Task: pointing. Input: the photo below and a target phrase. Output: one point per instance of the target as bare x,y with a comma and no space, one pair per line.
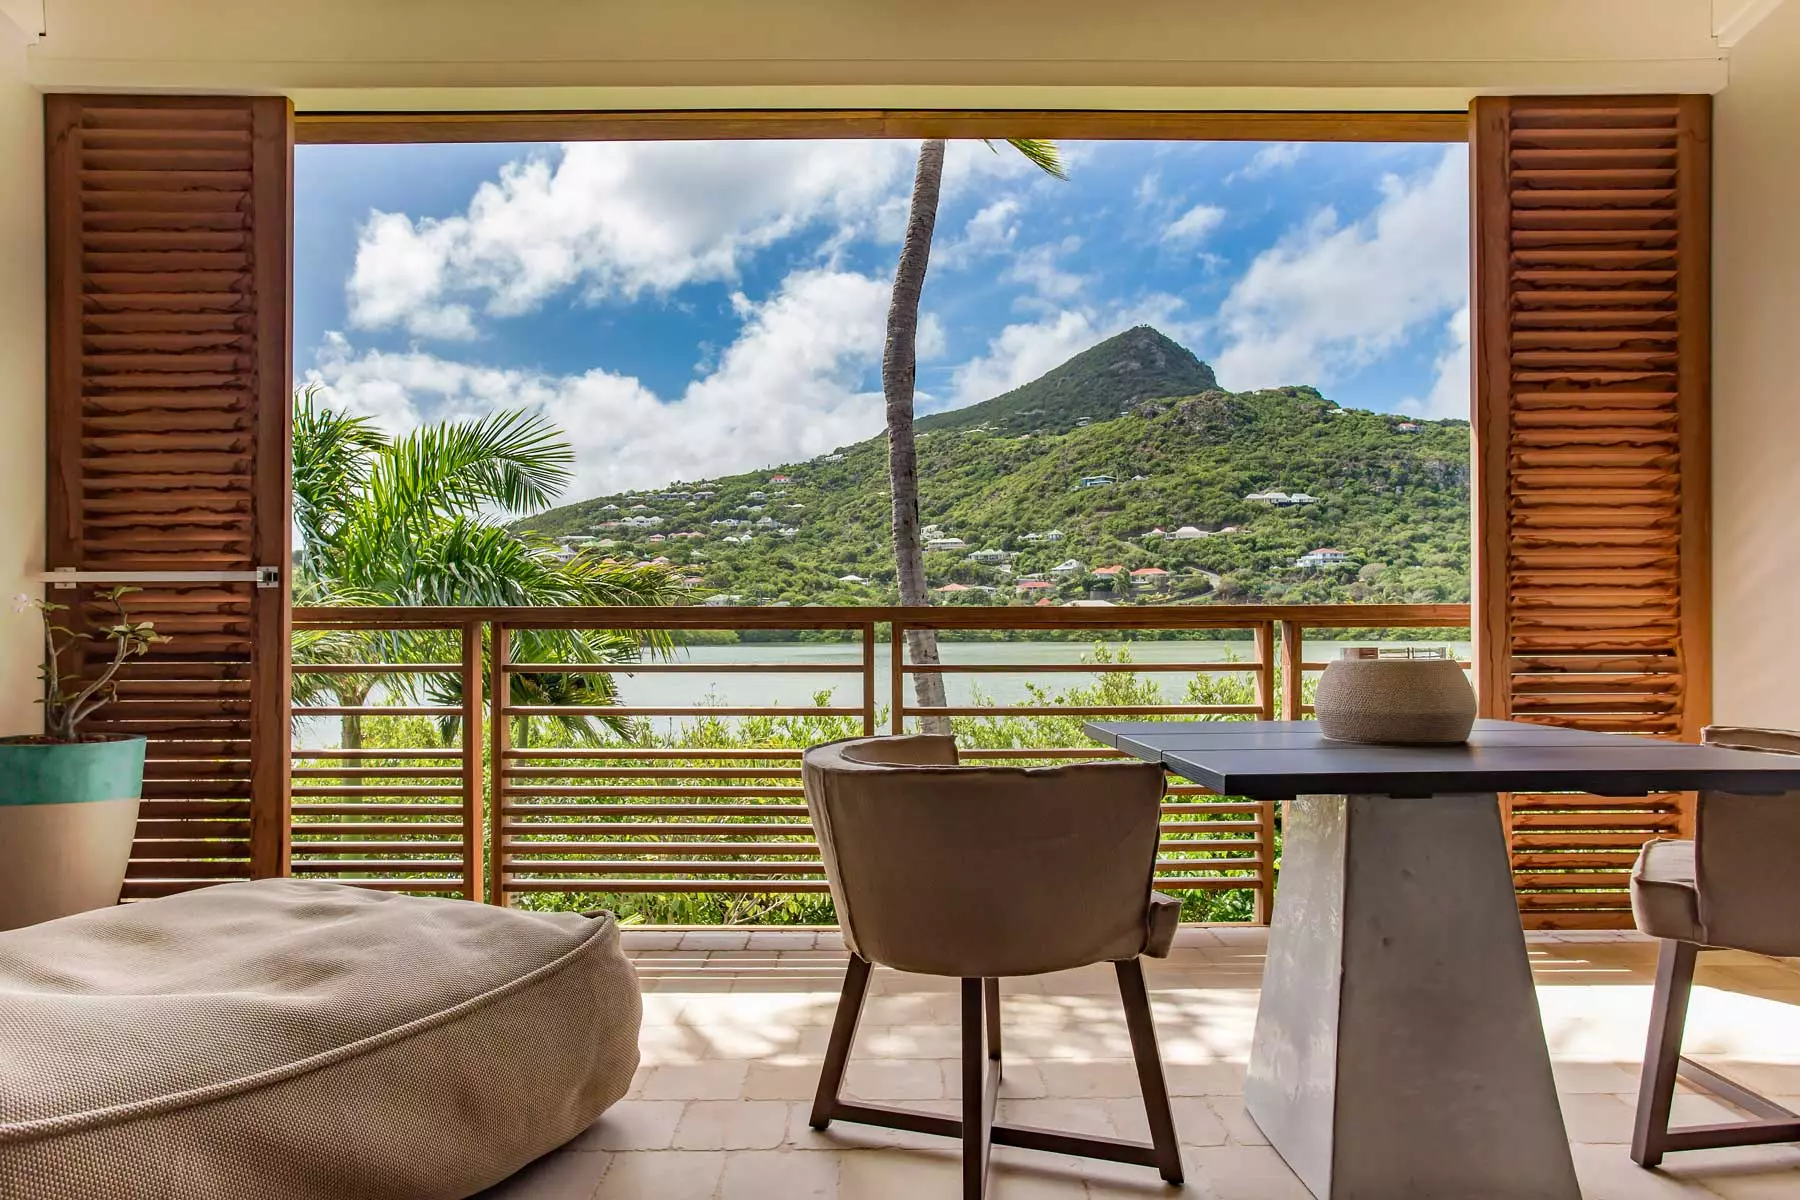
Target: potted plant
69,800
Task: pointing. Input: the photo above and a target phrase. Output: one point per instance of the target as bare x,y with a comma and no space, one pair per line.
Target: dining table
1398,1050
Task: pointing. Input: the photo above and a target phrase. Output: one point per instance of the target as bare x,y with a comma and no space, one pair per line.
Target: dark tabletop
1275,760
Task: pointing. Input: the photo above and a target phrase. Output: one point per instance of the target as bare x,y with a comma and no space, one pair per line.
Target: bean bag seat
294,1040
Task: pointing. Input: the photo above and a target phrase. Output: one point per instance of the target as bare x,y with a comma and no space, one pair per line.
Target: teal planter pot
68,812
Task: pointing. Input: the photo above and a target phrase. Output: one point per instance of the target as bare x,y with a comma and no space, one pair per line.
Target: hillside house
1053,535
1149,576
990,558
1113,572
1406,427
946,543
953,589
779,479
1325,556
1034,587
1154,534
851,579
1069,566
1188,533
1094,481
1302,498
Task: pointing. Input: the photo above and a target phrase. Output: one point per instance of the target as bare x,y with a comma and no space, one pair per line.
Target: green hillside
1003,474
1096,385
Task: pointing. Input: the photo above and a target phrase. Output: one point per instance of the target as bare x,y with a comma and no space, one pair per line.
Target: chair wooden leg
979,1088
1149,1068
1662,1053
1651,1137
843,1034
991,992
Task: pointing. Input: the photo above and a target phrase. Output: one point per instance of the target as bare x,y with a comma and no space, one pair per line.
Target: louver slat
169,264
1591,259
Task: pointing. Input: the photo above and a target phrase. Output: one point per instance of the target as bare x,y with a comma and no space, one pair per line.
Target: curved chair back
983,871
1747,856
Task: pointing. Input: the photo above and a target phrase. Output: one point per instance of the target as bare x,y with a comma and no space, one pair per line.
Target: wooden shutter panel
1590,282
169,259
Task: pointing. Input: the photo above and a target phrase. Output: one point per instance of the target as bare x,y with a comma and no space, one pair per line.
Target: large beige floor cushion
283,1039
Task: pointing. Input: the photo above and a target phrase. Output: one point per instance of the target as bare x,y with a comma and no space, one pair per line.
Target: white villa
1325,556
1069,566
1189,532
989,558
1094,481
946,543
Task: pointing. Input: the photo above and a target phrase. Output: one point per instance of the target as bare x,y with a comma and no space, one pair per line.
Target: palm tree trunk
899,372
352,694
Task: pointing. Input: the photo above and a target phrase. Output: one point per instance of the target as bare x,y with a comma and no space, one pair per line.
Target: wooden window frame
389,128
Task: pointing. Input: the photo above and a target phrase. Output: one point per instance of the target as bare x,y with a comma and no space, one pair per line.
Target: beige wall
1756,379
21,376
354,54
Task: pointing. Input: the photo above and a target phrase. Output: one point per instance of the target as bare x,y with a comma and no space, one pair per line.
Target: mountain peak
1098,384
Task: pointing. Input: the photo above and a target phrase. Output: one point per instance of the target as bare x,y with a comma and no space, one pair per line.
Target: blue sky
692,309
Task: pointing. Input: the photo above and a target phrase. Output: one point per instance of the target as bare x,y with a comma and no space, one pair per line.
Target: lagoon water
723,686
658,689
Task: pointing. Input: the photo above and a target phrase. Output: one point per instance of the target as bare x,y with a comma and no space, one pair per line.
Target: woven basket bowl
1395,702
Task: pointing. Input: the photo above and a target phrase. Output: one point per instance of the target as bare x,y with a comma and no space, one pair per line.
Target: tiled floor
735,1026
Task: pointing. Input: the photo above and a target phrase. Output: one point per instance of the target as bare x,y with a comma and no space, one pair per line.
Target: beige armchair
983,872
1733,887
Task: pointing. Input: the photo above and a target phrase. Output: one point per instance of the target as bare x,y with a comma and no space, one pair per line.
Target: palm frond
1039,152
516,461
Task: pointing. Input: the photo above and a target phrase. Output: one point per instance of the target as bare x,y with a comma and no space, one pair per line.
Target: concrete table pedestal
1398,1050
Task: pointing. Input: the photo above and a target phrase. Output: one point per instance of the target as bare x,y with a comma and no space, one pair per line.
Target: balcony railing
440,750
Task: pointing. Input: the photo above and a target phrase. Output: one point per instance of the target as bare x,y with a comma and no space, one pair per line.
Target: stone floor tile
1205,1079
909,1041
897,1174
1105,1079
1598,1117
782,939
1241,1173
1240,1127
662,1175
632,1125
1742,1173
559,1175
869,1079
771,1081
715,939
732,1125
1595,1077
1606,1172
696,1081
779,1175
1088,1117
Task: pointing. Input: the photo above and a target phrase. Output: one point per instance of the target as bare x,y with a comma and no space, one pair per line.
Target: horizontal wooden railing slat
492,816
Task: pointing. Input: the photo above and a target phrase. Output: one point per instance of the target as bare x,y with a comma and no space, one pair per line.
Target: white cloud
1270,158
1194,225
1330,297
992,230
1449,394
1037,268
788,388
614,218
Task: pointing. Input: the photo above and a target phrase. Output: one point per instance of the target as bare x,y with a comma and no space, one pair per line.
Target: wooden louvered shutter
168,272
1591,375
